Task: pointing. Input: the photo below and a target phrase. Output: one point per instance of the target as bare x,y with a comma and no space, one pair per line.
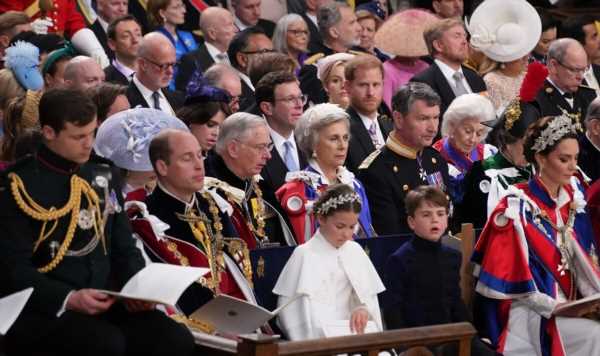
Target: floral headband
334,202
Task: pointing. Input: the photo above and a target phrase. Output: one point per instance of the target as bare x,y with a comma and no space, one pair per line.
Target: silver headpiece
334,202
557,129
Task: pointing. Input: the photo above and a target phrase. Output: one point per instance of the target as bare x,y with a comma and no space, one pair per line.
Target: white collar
279,140
587,136
146,93
213,51
560,91
123,69
245,78
103,23
447,71
188,205
239,24
313,18
343,174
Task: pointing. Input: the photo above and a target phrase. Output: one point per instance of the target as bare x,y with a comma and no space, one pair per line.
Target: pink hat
402,34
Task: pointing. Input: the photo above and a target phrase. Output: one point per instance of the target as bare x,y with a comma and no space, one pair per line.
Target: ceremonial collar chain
334,202
558,127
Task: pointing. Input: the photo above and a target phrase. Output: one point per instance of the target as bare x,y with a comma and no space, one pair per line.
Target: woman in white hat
506,31
330,70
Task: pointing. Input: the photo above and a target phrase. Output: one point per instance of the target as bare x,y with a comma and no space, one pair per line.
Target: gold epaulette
370,158
235,193
356,53
314,58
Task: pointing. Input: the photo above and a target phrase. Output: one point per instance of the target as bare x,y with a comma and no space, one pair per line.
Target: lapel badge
405,187
549,90
395,169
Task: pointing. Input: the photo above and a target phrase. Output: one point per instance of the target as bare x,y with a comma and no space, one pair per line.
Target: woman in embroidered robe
537,252
462,138
335,278
322,133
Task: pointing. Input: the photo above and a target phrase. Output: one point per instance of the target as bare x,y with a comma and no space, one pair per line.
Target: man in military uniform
406,161
567,63
340,32
64,234
199,229
243,148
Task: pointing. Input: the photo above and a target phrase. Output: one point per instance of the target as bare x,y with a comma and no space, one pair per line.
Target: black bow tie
568,95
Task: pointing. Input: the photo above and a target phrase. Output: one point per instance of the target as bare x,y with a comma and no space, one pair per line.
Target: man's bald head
153,42
82,73
218,27
156,61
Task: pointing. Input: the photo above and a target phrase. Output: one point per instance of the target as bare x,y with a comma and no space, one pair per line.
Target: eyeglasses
261,147
162,67
259,51
298,33
302,99
572,70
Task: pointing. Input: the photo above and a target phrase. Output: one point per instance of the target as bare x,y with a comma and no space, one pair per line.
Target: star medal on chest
85,221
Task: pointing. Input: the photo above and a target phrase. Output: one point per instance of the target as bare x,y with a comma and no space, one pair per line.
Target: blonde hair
436,31
9,87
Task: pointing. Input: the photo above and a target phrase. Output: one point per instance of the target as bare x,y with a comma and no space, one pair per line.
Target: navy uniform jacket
550,101
589,158
389,173
46,178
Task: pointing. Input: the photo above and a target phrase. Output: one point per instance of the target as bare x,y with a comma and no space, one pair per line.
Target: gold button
549,90
405,187
433,160
395,168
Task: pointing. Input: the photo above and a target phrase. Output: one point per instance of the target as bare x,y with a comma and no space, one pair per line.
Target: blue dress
185,43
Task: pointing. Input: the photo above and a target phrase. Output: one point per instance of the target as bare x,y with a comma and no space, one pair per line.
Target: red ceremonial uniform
65,16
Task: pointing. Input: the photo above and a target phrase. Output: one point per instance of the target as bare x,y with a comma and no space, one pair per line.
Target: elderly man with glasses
243,148
155,67
563,89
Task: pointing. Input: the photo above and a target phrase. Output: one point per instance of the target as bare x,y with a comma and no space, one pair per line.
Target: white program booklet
335,328
159,283
10,308
235,316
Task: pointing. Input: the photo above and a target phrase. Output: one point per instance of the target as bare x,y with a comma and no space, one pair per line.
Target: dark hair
548,21
240,42
10,19
335,191
159,149
28,142
534,132
45,43
111,31
200,113
265,89
61,105
407,94
104,95
53,67
13,113
270,62
425,193
572,27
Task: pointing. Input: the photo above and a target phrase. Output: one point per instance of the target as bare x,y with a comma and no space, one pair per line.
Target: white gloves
86,42
41,25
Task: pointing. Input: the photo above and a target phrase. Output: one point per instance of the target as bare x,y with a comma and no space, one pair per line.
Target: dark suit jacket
315,41
189,63
114,76
247,99
589,158
275,170
434,77
360,142
101,36
135,97
267,26
550,101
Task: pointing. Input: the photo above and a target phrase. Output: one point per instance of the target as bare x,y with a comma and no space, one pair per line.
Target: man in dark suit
281,102
315,41
447,44
108,11
67,314
368,129
583,29
563,91
247,14
124,38
155,62
218,29
407,159
246,46
589,143
340,32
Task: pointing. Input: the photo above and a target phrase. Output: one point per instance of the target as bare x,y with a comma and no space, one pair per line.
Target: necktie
288,157
155,98
222,58
373,134
459,88
568,95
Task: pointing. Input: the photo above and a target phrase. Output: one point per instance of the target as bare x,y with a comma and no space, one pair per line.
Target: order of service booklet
577,307
235,316
10,308
159,283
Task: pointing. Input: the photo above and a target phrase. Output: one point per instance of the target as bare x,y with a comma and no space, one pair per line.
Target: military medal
85,221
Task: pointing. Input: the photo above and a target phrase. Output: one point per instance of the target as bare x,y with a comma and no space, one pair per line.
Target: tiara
557,129
334,202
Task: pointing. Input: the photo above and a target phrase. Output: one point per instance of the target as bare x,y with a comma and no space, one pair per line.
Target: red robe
65,16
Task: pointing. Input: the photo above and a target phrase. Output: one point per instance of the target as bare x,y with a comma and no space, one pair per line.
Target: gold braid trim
26,203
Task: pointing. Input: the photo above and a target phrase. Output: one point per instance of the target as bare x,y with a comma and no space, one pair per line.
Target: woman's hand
358,320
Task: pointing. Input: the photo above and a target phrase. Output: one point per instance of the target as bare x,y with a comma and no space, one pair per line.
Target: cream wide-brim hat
504,30
402,33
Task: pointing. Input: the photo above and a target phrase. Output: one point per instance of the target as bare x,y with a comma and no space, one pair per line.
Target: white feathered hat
124,137
504,30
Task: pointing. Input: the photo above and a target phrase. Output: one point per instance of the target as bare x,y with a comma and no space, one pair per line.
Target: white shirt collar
188,205
560,91
246,79
447,71
123,69
239,24
214,52
103,23
146,93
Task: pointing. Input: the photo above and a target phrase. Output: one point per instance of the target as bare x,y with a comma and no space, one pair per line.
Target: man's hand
134,306
89,301
358,320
